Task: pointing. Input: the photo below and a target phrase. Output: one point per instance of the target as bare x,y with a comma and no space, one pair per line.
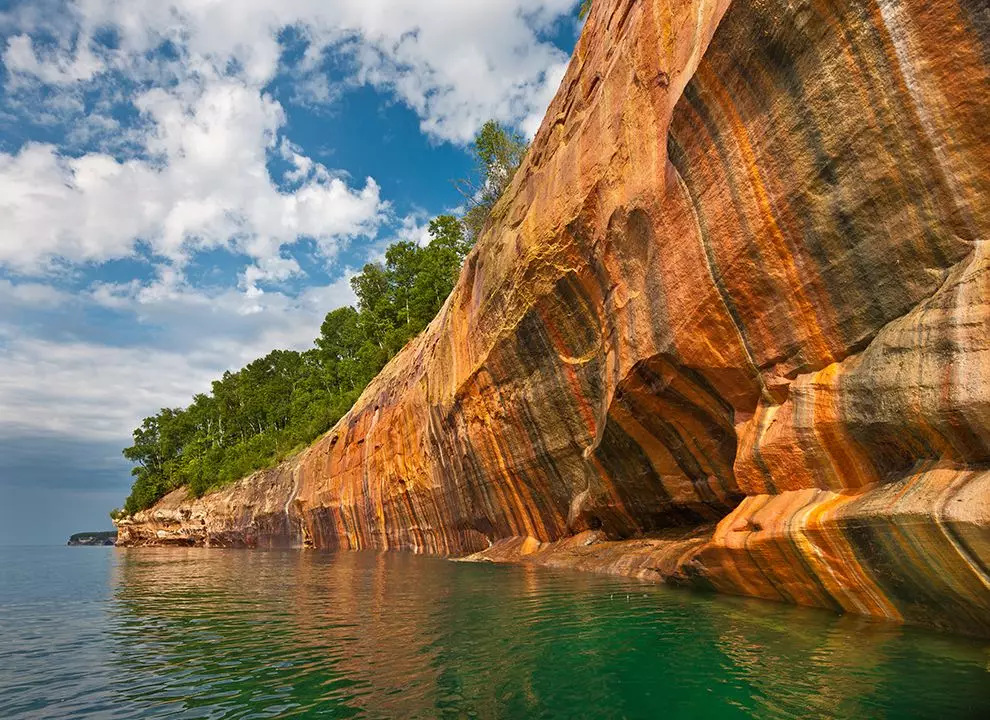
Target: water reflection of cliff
217,633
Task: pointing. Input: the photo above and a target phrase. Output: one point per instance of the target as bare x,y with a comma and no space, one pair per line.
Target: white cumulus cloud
455,63
204,184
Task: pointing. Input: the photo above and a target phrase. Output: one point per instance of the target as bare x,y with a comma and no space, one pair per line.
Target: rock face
728,327
254,512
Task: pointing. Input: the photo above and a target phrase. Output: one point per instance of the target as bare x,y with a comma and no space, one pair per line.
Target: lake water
113,633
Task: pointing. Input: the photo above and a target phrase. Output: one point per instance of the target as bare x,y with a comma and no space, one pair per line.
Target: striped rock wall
914,550
740,280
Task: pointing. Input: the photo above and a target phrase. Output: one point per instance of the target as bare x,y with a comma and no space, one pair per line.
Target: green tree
377,313
338,349
439,267
498,151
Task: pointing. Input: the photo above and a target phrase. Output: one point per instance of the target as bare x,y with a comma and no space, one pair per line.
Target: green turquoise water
111,633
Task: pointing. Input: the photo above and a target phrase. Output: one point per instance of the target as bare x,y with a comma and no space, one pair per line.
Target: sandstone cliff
729,327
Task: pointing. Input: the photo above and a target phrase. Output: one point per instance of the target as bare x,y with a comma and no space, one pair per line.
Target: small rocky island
104,537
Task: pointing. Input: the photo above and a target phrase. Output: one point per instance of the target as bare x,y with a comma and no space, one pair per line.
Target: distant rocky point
107,537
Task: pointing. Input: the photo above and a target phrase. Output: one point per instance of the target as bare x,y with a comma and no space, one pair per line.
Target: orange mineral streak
729,327
777,253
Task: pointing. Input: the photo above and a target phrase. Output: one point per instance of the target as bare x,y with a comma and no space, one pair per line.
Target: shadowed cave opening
668,446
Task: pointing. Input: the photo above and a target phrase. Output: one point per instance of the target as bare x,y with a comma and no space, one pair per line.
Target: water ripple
190,633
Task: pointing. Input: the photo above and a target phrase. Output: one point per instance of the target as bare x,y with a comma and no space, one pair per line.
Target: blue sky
186,185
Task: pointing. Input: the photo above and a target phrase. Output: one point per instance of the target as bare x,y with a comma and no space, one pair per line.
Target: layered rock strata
255,512
741,279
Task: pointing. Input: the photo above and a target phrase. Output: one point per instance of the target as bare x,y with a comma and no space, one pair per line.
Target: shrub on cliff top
498,152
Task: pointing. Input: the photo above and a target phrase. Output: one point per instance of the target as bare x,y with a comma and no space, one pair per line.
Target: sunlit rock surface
729,327
257,511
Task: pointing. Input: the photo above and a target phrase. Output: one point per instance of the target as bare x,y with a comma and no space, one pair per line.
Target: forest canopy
275,406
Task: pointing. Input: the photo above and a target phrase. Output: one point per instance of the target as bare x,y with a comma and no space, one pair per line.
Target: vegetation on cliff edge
278,404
